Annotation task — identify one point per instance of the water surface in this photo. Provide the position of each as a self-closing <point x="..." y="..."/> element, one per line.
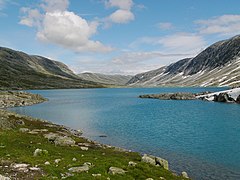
<point x="202" y="138"/>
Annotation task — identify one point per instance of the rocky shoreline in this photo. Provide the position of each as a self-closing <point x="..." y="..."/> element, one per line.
<point x="19" y="98"/>
<point x="228" y="96"/>
<point x="32" y="149"/>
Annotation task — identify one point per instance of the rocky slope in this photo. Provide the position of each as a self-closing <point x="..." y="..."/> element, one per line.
<point x="218" y="65"/>
<point x="13" y="99"/>
<point x="105" y="79"/>
<point x="19" y="70"/>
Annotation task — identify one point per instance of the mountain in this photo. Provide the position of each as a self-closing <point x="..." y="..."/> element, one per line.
<point x="106" y="79"/>
<point x="218" y="65"/>
<point x="19" y="70"/>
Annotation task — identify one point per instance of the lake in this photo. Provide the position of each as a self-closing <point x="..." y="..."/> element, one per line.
<point x="201" y="138"/>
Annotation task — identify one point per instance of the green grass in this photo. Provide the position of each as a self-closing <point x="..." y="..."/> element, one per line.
<point x="17" y="147"/>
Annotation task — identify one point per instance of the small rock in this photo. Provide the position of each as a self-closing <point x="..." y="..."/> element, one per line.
<point x="64" y="141"/>
<point x="148" y="159"/>
<point x="17" y="166"/>
<point x="149" y="179"/>
<point x="34" y="169"/>
<point x="116" y="170"/>
<point x="185" y="175"/>
<point x="47" y="163"/>
<point x="20" y="122"/>
<point x="84" y="148"/>
<point x="131" y="163"/>
<point x="23" y="130"/>
<point x="79" y="169"/>
<point x="57" y="161"/>
<point x="40" y="152"/>
<point x="4" y="178"/>
<point x="96" y="175"/>
<point x="74" y="159"/>
<point x="51" y="136"/>
<point x="162" y="178"/>
<point x="162" y="162"/>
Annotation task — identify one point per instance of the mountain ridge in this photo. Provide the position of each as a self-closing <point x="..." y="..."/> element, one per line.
<point x="217" y="65"/>
<point x="19" y="70"/>
<point x="107" y="79"/>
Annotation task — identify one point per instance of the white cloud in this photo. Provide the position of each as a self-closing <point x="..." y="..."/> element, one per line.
<point x="223" y="25"/>
<point x="180" y="43"/>
<point x="121" y="16"/>
<point x="71" y="31"/>
<point x="141" y="56"/>
<point x="58" y="26"/>
<point x="55" y="5"/>
<point x="121" y="4"/>
<point x="32" y="18"/>
<point x="165" y="25"/>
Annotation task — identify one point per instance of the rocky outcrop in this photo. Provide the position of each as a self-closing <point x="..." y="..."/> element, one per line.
<point x="228" y="96"/>
<point x="14" y="99"/>
<point x="170" y="96"/>
<point x="157" y="161"/>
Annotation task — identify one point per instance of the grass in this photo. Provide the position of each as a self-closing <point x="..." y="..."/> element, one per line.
<point x="18" y="147"/>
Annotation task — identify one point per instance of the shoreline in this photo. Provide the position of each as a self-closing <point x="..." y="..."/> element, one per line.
<point x="62" y="136"/>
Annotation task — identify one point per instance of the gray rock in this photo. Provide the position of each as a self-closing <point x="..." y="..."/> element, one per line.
<point x="40" y="152"/>
<point x="148" y="159"/>
<point x="116" y="170"/>
<point x="51" y="136"/>
<point x="131" y="163"/>
<point x="23" y="130"/>
<point x="185" y="175"/>
<point x="162" y="162"/>
<point x="84" y="148"/>
<point x="96" y="175"/>
<point x="79" y="169"/>
<point x="4" y="178"/>
<point x="64" y="141"/>
<point x="47" y="163"/>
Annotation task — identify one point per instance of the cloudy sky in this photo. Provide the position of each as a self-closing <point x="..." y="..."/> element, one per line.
<point x="116" y="36"/>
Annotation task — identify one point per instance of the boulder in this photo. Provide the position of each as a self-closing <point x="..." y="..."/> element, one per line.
<point x="116" y="170"/>
<point x="84" y="148"/>
<point x="238" y="99"/>
<point x="40" y="152"/>
<point x="162" y="162"/>
<point x="79" y="169"/>
<point x="23" y="130"/>
<point x="4" y="178"/>
<point x="148" y="159"/>
<point x="51" y="136"/>
<point x="223" y="97"/>
<point x="131" y="163"/>
<point x="64" y="141"/>
<point x="185" y="175"/>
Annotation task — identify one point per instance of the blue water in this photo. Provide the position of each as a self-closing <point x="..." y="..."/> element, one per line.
<point x="202" y="138"/>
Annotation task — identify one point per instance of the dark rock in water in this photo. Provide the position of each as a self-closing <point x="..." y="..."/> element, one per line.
<point x="223" y="97"/>
<point x="238" y="99"/>
<point x="170" y="96"/>
<point x="103" y="136"/>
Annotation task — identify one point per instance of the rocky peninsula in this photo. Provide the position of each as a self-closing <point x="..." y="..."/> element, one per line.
<point x="36" y="149"/>
<point x="228" y="96"/>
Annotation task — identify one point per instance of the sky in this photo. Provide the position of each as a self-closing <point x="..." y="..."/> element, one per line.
<point x="116" y="36"/>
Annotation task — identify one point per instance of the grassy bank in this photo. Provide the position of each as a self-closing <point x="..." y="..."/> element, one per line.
<point x="36" y="149"/>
